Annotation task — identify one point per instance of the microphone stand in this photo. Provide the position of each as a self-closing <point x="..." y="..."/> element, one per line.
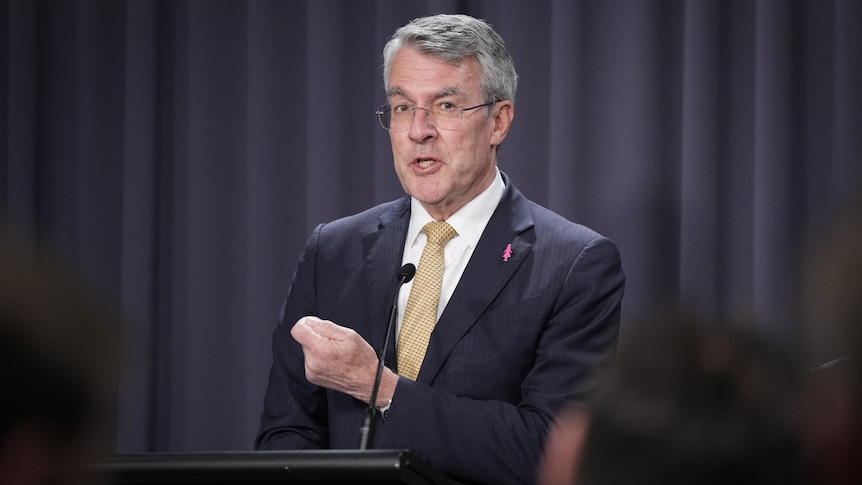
<point x="405" y="274"/>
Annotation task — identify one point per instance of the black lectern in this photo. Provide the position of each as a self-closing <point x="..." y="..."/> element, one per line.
<point x="269" y="467"/>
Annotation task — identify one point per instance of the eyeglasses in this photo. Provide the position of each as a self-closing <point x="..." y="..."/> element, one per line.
<point x="444" y="115"/>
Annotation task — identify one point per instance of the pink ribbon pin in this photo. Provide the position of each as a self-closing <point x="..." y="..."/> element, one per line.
<point x="507" y="253"/>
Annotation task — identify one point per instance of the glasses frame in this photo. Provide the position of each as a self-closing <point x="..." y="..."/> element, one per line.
<point x="386" y="108"/>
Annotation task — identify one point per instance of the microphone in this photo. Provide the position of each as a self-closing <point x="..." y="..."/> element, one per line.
<point x="405" y="274"/>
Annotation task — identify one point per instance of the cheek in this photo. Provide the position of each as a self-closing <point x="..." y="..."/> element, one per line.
<point x="471" y="154"/>
<point x="401" y="150"/>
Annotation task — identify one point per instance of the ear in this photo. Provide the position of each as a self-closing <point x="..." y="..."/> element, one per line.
<point x="504" y="112"/>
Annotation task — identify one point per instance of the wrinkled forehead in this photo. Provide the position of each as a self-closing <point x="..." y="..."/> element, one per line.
<point x="415" y="74"/>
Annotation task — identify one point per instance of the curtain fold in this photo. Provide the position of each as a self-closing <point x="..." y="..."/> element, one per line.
<point x="176" y="155"/>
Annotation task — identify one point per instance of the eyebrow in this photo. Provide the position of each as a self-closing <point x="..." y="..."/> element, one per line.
<point x="394" y="91"/>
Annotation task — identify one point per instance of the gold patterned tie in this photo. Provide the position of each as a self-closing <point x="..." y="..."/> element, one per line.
<point x="420" y="315"/>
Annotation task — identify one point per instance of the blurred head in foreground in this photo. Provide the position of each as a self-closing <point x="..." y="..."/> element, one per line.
<point x="57" y="361"/>
<point x="831" y="297"/>
<point x="685" y="403"/>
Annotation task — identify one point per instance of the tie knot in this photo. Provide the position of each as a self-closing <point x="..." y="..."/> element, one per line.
<point x="439" y="232"/>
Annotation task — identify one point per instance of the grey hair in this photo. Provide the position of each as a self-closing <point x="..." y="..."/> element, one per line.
<point x="453" y="38"/>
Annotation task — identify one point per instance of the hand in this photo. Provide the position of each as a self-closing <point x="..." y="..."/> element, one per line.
<point x="338" y="358"/>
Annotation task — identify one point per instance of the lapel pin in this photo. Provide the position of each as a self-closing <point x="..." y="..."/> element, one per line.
<point x="507" y="253"/>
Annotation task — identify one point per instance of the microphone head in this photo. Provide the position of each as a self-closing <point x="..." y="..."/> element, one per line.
<point x="406" y="273"/>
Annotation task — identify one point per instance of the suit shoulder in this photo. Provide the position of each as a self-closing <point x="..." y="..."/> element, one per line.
<point x="547" y="220"/>
<point x="368" y="220"/>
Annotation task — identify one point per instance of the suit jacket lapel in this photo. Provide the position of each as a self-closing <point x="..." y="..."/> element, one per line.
<point x="383" y="248"/>
<point x="483" y="278"/>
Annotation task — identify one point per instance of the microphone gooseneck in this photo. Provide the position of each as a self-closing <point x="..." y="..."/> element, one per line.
<point x="405" y="274"/>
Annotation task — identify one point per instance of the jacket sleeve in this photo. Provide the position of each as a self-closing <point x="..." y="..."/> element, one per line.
<point x="294" y="411"/>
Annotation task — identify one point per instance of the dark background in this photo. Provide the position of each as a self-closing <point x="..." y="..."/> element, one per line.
<point x="176" y="154"/>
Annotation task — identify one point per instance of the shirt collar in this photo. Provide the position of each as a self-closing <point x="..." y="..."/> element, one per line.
<point x="469" y="222"/>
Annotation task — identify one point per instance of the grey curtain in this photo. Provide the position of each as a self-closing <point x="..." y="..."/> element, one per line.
<point x="177" y="154"/>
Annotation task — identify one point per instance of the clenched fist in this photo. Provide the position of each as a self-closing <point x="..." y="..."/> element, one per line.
<point x="338" y="358"/>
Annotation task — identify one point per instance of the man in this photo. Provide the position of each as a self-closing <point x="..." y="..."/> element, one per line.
<point x="686" y="402"/>
<point x="58" y="363"/>
<point x="831" y="310"/>
<point x="529" y="303"/>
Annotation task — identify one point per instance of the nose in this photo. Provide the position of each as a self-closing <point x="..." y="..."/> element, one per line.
<point x="421" y="128"/>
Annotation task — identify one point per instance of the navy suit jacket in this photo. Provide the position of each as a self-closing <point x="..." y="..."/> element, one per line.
<point x="518" y="339"/>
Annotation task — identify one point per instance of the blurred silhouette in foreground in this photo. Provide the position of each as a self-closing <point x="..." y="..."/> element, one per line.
<point x="685" y="403"/>
<point x="831" y="296"/>
<point x="57" y="363"/>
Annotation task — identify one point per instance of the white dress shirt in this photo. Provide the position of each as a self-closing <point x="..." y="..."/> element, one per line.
<point x="469" y="222"/>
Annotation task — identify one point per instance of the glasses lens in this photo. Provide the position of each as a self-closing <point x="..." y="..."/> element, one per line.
<point x="446" y="116"/>
<point x="401" y="119"/>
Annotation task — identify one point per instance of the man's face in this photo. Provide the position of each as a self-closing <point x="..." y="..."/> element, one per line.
<point x="444" y="168"/>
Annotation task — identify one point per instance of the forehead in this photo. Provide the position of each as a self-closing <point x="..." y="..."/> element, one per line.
<point x="417" y="76"/>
